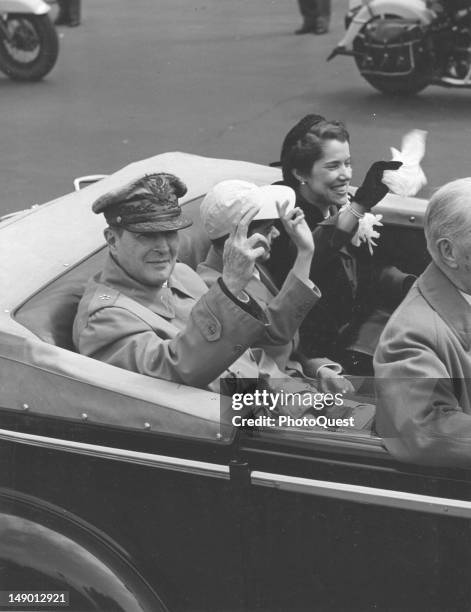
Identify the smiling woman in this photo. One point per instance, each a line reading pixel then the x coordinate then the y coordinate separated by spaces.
pixel 329 177
pixel 316 163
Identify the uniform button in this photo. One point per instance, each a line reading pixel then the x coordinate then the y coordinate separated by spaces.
pixel 238 348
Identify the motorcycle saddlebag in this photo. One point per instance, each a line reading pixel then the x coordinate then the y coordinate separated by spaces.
pixel 392 47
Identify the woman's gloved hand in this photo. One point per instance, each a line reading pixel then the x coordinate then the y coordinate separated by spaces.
pixel 373 190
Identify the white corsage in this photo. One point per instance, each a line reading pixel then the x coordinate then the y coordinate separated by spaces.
pixel 409 178
pixel 366 231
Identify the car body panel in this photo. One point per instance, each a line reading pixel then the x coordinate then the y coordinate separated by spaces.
pixel 66 552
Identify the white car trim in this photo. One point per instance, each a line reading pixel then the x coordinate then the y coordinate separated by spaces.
pixel 176 464
pixel 354 493
pixel 401 500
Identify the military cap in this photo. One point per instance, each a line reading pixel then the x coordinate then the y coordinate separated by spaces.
pixel 148 204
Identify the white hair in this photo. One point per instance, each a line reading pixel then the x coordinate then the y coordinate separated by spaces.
pixel 448 214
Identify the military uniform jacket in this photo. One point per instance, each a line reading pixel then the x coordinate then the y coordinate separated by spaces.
pixel 423 362
pixel 263 290
pixel 181 332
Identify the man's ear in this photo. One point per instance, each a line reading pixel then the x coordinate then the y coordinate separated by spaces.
pixel 447 253
pixel 110 237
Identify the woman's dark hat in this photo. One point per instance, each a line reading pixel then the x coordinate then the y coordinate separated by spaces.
pixel 299 131
pixel 148 204
pixel 296 133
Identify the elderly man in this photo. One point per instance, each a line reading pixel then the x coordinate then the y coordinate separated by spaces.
pixel 220 210
pixel 146 313
pixel 423 361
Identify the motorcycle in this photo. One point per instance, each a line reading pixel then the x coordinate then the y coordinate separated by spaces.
pixel 402 46
pixel 28 40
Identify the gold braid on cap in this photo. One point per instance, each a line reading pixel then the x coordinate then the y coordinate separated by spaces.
pixel 157 184
pixel 162 186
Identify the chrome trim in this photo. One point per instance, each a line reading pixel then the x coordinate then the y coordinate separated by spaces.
pixel 90 179
pixel 188 466
pixel 365 495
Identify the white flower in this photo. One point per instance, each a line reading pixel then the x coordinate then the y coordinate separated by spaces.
pixel 366 231
pixel 410 178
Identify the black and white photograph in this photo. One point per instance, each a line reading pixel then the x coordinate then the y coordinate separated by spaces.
pixel 235 306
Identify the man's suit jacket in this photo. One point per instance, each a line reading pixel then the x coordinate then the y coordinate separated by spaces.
pixel 423 370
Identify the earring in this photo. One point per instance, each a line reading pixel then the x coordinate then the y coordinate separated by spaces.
pixel 303 182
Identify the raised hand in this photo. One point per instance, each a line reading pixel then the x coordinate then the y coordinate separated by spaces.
pixel 331 381
pixel 296 228
pixel 241 253
pixel 373 190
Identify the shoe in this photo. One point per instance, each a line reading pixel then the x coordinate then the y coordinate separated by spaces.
pixel 67 22
pixel 305 29
pixel 74 13
pixel 322 26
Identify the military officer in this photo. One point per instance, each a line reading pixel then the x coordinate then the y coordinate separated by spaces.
pixel 147 313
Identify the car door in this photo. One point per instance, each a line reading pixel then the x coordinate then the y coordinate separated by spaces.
pixel 144 481
pixel 247 519
pixel 335 524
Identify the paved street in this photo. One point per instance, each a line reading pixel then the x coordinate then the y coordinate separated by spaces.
pixel 221 78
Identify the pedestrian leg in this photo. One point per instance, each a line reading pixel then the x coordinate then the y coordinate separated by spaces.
pixel 74 13
pixel 323 17
pixel 63 14
pixel 308 10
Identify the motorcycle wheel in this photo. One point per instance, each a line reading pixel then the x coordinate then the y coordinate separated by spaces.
pixel 396 86
pixel 399 86
pixel 32 49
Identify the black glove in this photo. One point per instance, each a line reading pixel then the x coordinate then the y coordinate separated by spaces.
pixel 373 189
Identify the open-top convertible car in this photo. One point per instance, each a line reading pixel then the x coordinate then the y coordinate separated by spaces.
pixel 120 492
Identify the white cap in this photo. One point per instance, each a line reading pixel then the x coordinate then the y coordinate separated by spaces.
pixel 221 208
